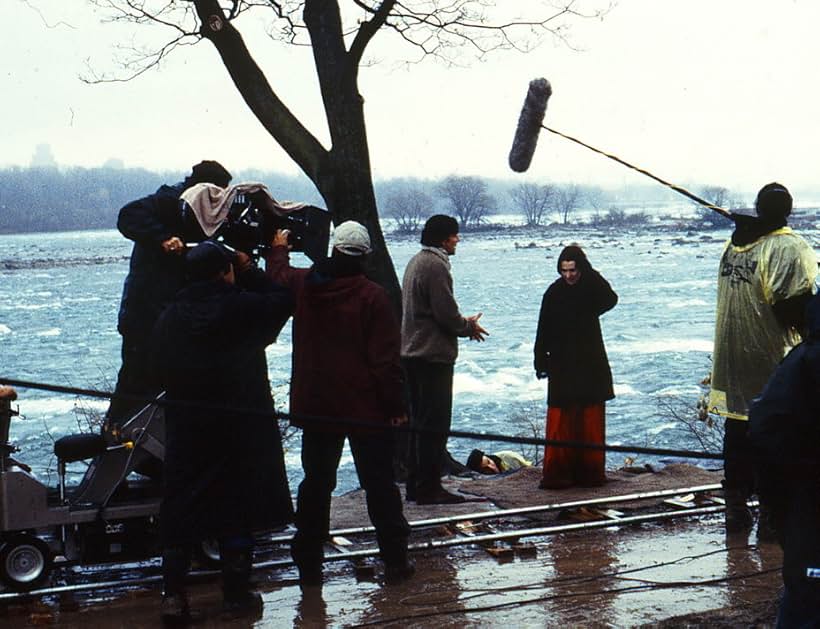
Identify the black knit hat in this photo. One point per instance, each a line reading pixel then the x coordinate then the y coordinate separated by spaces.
pixel 773 202
pixel 437 229
pixel 474 460
pixel 209 171
pixel 206 260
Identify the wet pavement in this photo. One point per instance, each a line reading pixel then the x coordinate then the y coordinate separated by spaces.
pixel 616 577
pixel 622 576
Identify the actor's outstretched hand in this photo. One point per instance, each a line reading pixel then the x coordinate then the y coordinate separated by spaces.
pixel 478 333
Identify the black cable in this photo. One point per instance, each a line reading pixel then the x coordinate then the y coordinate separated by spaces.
pixel 583 578
pixel 543 599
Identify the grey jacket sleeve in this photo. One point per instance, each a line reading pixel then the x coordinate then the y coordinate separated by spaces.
pixel 443 303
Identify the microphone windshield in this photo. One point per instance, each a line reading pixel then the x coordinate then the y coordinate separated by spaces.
pixel 529 124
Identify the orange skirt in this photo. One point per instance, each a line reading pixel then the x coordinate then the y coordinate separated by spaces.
pixel 565 467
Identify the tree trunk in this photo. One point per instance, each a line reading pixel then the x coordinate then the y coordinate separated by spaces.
pixel 345 178
pixel 342 175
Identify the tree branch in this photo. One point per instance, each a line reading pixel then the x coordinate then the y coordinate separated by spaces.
pixel 249 79
pixel 369 28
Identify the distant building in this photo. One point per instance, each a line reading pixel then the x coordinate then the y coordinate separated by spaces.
pixel 114 163
pixel 43 157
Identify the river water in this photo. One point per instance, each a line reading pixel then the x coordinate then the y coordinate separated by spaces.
pixel 59 296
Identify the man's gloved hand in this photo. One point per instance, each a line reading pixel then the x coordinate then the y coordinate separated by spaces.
pixel 173 245
pixel 541 374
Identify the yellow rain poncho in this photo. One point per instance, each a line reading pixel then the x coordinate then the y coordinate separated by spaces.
pixel 749 340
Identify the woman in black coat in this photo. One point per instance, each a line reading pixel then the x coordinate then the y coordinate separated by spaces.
pixel 569 350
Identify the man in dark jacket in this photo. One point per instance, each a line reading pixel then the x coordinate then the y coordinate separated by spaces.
pixel 784 430
pixel 345 367
pixel 156 225
pixel 224 465
pixel 569 350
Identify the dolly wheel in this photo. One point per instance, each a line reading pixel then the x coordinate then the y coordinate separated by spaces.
pixel 208 554
pixel 25 562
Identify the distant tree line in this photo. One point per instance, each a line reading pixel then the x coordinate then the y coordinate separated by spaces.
pixel 470 200
pixel 48 198
pixel 58 199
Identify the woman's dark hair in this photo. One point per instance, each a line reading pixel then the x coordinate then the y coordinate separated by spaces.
pixel 573 253
pixel 437 229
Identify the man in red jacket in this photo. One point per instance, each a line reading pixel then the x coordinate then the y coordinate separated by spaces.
pixel 346 368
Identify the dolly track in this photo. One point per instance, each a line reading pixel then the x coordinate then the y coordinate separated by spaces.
pixel 496 514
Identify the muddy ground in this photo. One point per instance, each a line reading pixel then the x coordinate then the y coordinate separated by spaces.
pixel 680 573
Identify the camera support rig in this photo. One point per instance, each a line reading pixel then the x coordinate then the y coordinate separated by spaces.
pixel 245 217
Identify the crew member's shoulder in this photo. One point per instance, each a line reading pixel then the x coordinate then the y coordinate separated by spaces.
pixel 786 237
pixel 428 259
pixel 170 190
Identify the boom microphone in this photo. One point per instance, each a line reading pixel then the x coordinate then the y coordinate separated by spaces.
pixel 529 124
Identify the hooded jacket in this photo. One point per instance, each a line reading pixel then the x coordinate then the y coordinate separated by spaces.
pixel 569 347
pixel 346 340
pixel 750 339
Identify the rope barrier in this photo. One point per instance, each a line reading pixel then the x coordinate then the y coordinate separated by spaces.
pixel 349 422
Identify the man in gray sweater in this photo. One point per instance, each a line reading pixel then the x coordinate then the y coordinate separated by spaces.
pixel 431 325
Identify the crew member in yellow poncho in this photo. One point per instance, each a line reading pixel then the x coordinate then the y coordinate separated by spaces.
pixel 767 276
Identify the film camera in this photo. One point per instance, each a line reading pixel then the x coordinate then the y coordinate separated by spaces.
pixel 251 223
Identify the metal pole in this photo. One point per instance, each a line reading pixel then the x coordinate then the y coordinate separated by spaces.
pixel 361 554
pixel 501 513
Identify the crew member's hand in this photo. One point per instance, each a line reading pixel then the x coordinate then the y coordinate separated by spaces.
pixel 241 262
pixel 173 245
pixel 280 238
pixel 477 333
pixel 401 420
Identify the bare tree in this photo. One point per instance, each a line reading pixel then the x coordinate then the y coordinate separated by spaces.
pixel 408 206
pixel 468 199
pixel 596 197
pixel 566 200
pixel 533 201
pixel 339 32
pixel 720 196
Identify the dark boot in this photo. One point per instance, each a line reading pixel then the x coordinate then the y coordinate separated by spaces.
pixel 174 609
pixel 398 566
pixel 238 598
pixel 766 530
pixel 438 496
pixel 738 516
pixel 309 561
pixel 175 565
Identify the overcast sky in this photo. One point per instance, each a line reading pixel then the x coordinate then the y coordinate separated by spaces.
pixel 723 92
